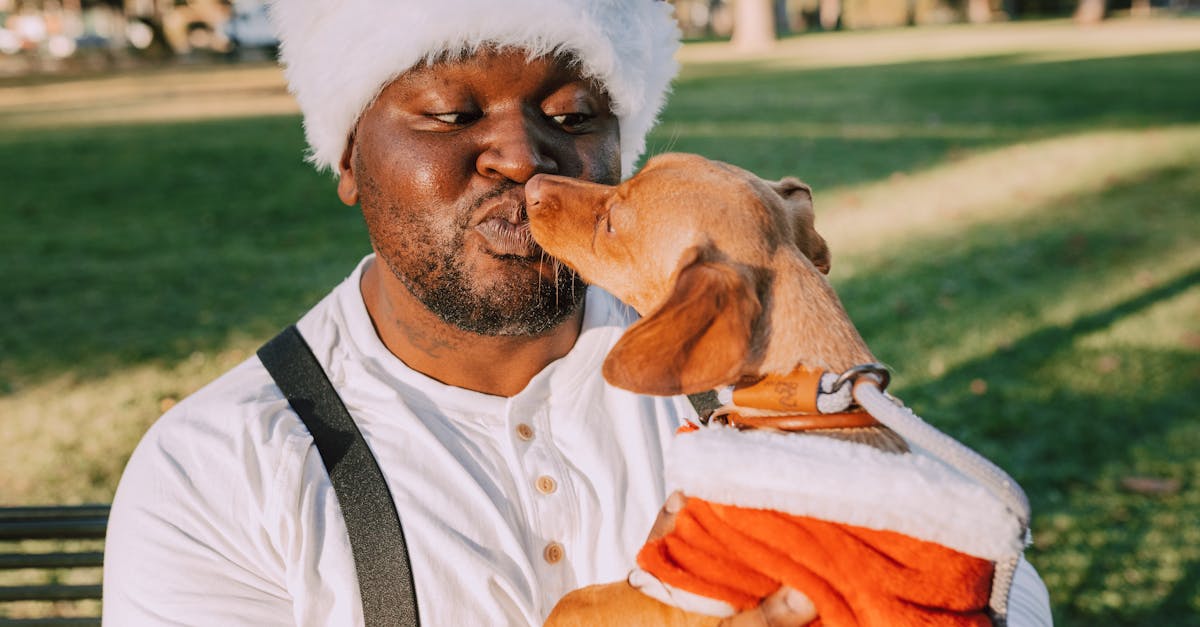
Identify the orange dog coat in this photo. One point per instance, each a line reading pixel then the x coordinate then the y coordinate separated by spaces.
pixel 874 539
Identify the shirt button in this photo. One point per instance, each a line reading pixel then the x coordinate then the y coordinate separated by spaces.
pixel 553 553
pixel 525 432
pixel 546 484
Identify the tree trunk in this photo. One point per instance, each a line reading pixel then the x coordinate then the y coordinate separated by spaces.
pixel 783 25
pixel 1089 11
pixel 753 25
pixel 830 13
pixel 979 11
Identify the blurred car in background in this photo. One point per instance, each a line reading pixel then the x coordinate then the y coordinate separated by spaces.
pixel 248 26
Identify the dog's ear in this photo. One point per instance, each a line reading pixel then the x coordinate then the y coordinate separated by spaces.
pixel 698 339
pixel 798 201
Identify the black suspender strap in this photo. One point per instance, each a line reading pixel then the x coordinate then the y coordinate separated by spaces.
pixel 705 403
pixel 380 556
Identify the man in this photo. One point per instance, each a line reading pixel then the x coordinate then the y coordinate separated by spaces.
pixel 470 362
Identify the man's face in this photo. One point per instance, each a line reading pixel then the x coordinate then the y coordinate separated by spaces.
pixel 439 163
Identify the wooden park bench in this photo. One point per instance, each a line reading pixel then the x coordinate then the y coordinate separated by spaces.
pixel 50 561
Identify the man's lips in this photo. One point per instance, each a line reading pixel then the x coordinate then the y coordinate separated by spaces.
pixel 505 227
pixel 507 239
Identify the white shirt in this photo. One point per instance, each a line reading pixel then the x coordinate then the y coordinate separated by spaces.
pixel 225 514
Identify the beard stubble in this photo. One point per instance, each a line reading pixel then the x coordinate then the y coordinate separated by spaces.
pixel 430 261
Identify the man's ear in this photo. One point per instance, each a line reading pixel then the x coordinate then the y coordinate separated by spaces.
pixel 697 340
pixel 347 188
pixel 798 201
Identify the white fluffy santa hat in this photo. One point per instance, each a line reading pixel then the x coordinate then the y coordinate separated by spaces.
pixel 339 54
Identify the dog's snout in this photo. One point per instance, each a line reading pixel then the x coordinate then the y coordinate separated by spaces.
pixel 546 193
pixel 533 190
pixel 543 192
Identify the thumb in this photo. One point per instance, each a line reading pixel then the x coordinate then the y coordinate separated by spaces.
pixel 785 607
pixel 788 607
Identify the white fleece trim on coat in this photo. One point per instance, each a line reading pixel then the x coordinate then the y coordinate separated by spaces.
pixel 839 481
pixel 656 588
pixel 338 54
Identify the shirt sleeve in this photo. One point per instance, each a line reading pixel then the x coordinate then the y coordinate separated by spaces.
pixel 1028 599
pixel 187 542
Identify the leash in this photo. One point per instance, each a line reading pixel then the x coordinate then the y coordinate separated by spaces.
pixel 889 411
pixel 811 399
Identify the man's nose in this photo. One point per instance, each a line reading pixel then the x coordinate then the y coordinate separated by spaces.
pixel 516 149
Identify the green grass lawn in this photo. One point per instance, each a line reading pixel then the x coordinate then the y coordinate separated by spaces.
pixel 1016 230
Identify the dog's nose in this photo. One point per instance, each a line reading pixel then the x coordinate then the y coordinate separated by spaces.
pixel 533 189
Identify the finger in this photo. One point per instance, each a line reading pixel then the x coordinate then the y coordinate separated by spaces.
pixel 784 608
pixel 787 607
pixel 665 522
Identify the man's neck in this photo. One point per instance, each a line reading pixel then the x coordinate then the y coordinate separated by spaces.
pixel 501 366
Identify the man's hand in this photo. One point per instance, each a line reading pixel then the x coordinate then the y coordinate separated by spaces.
pixel 784 608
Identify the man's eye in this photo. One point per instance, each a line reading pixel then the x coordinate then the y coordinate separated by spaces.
pixel 456 118
pixel 571 121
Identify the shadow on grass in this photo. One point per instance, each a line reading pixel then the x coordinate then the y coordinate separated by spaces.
pixel 1120 562
pixel 1184 596
pixel 136 244
pixel 1111 556
pixel 1134 408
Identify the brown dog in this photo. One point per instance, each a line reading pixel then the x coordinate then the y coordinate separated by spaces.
pixel 727 271
pixel 714 258
pixel 712 282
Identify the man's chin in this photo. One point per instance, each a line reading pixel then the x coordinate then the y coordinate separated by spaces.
pixel 523 303
pixel 514 322
pixel 537 273
pixel 493 295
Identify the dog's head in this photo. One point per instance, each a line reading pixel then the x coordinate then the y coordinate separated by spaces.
pixel 691 244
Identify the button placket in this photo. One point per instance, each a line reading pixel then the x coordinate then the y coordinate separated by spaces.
pixel 555 482
pixel 559 509
pixel 550 507
pixel 554 519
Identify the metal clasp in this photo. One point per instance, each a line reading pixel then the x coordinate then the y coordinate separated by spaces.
pixel 879 372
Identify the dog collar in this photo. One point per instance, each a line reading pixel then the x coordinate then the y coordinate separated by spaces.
pixel 802 400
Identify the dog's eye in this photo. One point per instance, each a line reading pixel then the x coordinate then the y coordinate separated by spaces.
pixel 604 221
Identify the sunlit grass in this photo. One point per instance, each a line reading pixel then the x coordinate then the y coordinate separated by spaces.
pixel 192 93
pixel 968 190
pixel 71 437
